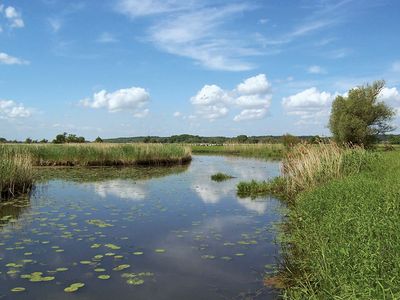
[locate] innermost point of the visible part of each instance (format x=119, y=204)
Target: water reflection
x=175, y=233
x=124, y=189
x=11, y=211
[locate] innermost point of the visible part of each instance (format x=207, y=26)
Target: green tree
x=289, y=140
x=28, y=141
x=98, y=140
x=360, y=117
x=242, y=138
x=60, y=138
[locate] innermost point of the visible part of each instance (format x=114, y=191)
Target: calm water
x=165, y=234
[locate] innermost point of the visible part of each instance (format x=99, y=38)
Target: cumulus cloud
x=177, y=114
x=11, y=60
x=309, y=104
x=12, y=16
x=316, y=70
x=392, y=97
x=211, y=102
x=132, y=99
x=9, y=109
x=250, y=114
x=252, y=96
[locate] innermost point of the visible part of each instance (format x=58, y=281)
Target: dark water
x=178, y=234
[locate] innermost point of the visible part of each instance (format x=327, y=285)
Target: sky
x=207, y=67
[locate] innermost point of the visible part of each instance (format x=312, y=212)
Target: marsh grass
x=343, y=238
x=16, y=172
x=267, y=151
x=221, y=177
x=106, y=154
x=307, y=166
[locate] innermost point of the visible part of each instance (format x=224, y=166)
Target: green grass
x=16, y=172
x=221, y=177
x=266, y=151
x=343, y=240
x=106, y=154
x=307, y=166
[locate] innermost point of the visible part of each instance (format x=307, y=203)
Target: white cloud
x=250, y=114
x=254, y=85
x=11, y=60
x=252, y=96
x=9, y=109
x=309, y=104
x=106, y=37
x=140, y=8
x=392, y=97
x=316, y=70
x=177, y=114
x=12, y=16
x=132, y=99
x=194, y=30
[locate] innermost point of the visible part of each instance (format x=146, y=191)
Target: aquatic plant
x=221, y=177
x=16, y=172
x=101, y=154
x=266, y=151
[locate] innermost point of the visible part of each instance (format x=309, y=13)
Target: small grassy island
x=17, y=161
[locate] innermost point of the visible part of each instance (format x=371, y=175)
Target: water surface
x=150, y=233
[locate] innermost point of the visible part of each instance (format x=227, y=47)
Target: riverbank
x=344, y=236
x=264, y=151
x=341, y=238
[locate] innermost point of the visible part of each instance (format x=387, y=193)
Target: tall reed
x=308, y=166
x=16, y=172
x=106, y=154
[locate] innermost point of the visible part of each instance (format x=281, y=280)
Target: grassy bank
x=267, y=151
x=307, y=166
x=16, y=172
x=105, y=154
x=345, y=237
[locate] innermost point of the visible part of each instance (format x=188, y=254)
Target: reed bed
x=16, y=172
x=106, y=154
x=267, y=151
x=307, y=166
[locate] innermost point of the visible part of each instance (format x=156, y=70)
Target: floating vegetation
x=37, y=277
x=99, y=270
x=221, y=177
x=18, y=289
x=136, y=278
x=208, y=257
x=104, y=277
x=99, y=223
x=74, y=287
x=159, y=250
x=112, y=246
x=121, y=267
x=138, y=253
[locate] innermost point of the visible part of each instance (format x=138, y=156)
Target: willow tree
x=360, y=117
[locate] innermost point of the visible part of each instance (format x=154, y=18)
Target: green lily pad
x=104, y=277
x=18, y=289
x=121, y=267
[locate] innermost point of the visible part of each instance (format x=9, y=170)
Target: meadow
x=343, y=237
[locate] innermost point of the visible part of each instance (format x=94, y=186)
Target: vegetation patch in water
x=221, y=177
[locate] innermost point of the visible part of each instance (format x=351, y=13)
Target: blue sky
x=151, y=67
